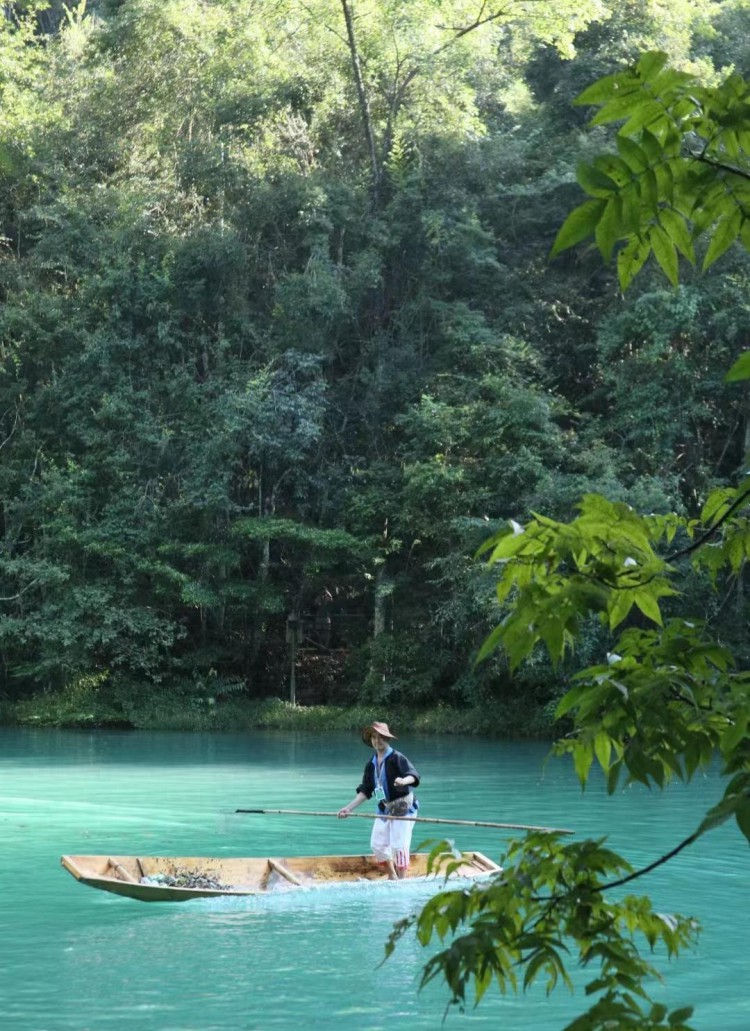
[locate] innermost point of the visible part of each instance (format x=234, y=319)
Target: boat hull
x=181, y=878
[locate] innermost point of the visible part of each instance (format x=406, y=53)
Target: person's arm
x=358, y=799
x=364, y=791
x=408, y=775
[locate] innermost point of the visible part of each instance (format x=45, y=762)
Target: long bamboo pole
x=413, y=819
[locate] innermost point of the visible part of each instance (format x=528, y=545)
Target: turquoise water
x=75, y=959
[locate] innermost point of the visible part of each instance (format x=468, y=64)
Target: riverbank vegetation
x=280, y=345
x=79, y=707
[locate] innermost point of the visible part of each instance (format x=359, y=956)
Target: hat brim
x=367, y=733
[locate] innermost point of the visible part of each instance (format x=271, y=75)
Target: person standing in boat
x=390, y=777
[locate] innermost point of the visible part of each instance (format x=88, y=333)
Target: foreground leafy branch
x=668, y=697
x=665, y=701
x=546, y=909
x=680, y=170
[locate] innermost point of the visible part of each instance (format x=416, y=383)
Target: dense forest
x=281, y=343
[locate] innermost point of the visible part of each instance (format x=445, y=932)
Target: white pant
x=391, y=839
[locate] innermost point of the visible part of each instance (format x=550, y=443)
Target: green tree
x=218, y=312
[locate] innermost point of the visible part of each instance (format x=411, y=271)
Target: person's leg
x=380, y=843
x=401, y=832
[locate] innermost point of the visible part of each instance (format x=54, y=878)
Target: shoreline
x=492, y=719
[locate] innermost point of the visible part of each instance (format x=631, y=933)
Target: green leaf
x=620, y=606
x=594, y=182
x=552, y=632
x=740, y=370
x=490, y=643
x=614, y=168
x=731, y=143
x=601, y=90
x=648, y=605
x=583, y=756
x=649, y=194
x=649, y=112
x=570, y=699
x=652, y=147
x=619, y=108
x=650, y=64
x=717, y=503
x=579, y=224
x=743, y=819
x=726, y=232
x=677, y=229
x=677, y=1017
x=664, y=182
x=630, y=197
x=734, y=733
x=613, y=777
x=719, y=814
x=603, y=749
x=665, y=253
x=632, y=154
x=609, y=228
x=630, y=260
x=534, y=964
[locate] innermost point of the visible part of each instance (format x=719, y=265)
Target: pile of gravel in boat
x=187, y=879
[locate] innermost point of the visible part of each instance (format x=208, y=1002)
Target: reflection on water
x=75, y=958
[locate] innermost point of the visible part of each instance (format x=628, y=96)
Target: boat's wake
x=327, y=894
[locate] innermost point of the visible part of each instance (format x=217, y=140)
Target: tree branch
x=652, y=866
x=23, y=590
x=464, y=30
x=13, y=429
x=555, y=899
x=721, y=167
x=737, y=503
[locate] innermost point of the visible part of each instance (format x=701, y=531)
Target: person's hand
x=402, y=782
x=342, y=813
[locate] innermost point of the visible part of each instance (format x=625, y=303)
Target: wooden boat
x=177, y=879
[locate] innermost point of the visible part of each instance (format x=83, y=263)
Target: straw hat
x=376, y=728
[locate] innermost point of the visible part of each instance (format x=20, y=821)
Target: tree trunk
x=382, y=584
x=364, y=104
